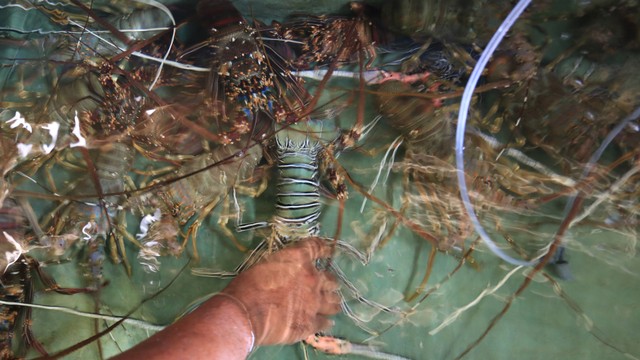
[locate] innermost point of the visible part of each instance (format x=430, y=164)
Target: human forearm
x=282, y=299
x=217, y=329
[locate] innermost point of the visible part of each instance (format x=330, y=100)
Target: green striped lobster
x=298, y=148
x=298, y=199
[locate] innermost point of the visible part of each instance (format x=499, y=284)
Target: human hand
x=286, y=296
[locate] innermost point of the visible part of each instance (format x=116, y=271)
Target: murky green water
x=569, y=108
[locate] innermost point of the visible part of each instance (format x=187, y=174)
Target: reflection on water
x=140, y=164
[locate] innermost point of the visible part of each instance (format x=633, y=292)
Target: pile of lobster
x=135, y=138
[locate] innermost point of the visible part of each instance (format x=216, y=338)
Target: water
x=575, y=69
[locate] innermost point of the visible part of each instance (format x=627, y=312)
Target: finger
x=329, y=282
x=331, y=297
x=322, y=323
x=324, y=248
x=298, y=252
x=315, y=247
x=304, y=326
x=331, y=303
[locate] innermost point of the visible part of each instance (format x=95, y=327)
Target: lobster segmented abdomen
x=298, y=200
